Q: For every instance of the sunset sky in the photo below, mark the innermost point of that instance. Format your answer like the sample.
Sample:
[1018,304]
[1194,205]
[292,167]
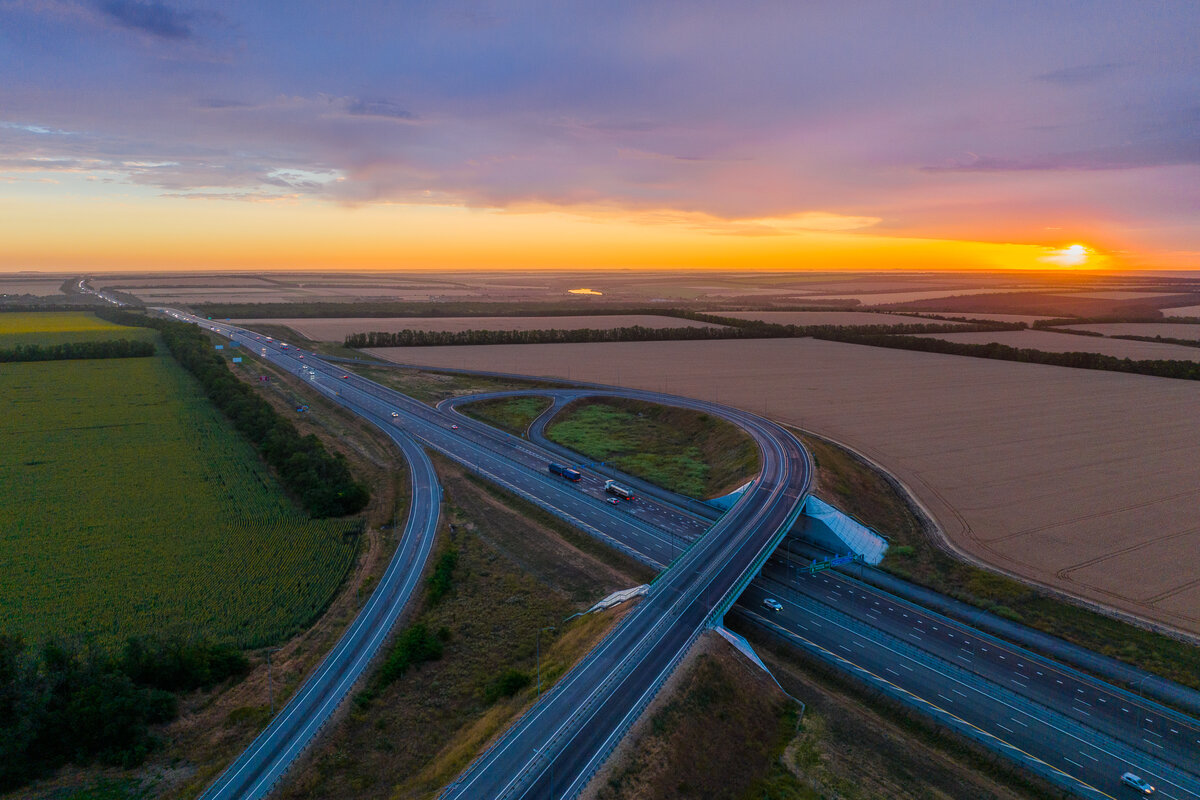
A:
[764,135]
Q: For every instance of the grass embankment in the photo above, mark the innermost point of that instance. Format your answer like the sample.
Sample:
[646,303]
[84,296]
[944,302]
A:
[433,387]
[854,744]
[722,729]
[717,731]
[512,414]
[856,488]
[688,452]
[464,665]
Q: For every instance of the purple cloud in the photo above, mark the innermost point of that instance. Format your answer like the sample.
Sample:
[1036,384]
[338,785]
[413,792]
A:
[154,18]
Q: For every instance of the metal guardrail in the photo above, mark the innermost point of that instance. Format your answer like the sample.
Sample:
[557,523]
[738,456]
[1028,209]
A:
[964,676]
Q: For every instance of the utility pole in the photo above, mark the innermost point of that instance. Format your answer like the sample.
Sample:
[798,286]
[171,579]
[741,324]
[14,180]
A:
[538,640]
[270,689]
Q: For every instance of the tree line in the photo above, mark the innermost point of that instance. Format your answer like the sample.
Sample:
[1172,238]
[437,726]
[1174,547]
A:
[1186,370]
[321,481]
[744,329]
[61,705]
[108,348]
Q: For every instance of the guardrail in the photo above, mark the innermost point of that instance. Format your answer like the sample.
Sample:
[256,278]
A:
[1000,693]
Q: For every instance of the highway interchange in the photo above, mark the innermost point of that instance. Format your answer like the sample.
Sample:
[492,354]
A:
[1075,729]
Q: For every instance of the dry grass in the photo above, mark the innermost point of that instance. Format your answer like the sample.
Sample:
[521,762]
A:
[715,731]
[1082,480]
[1052,342]
[855,745]
[513,576]
[336,329]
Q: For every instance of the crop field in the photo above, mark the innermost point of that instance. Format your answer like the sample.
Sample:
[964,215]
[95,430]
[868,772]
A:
[130,506]
[1083,480]
[54,327]
[1052,342]
[336,329]
[1167,330]
[826,318]
[1185,311]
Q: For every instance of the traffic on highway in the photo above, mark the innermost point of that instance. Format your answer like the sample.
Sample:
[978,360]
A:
[1074,729]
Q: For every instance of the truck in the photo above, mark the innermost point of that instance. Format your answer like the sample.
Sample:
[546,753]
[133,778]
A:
[612,487]
[566,472]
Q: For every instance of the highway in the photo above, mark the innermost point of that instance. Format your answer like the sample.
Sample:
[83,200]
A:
[1074,728]
[259,767]
[568,735]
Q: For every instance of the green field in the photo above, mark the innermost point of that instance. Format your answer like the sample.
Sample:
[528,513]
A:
[57,327]
[512,414]
[130,506]
[695,454]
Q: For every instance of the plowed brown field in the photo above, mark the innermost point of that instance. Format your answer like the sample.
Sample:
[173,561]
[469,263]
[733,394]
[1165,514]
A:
[1082,480]
[336,329]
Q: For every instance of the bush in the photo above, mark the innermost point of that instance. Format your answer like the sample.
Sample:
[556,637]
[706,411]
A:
[441,581]
[506,684]
[413,647]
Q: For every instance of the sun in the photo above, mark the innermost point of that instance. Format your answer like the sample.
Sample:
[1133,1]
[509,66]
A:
[1071,256]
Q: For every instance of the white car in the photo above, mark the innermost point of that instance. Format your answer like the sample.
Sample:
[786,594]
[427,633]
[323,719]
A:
[1136,781]
[772,604]
[395,413]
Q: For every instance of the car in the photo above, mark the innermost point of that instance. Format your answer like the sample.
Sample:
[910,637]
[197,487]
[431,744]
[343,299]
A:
[772,604]
[1137,782]
[613,501]
[395,413]
[344,377]
[300,356]
[453,427]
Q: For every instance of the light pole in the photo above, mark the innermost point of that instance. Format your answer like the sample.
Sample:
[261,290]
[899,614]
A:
[538,640]
[270,690]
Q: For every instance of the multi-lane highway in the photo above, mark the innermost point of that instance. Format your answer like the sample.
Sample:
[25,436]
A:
[568,735]
[1074,728]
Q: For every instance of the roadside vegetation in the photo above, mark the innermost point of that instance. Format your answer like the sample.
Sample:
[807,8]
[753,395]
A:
[718,730]
[688,452]
[432,387]
[321,482]
[855,744]
[723,729]
[859,490]
[512,414]
[464,665]
[61,705]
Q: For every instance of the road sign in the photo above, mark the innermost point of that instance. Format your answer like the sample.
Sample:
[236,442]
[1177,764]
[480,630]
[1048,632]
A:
[220,347]
[237,359]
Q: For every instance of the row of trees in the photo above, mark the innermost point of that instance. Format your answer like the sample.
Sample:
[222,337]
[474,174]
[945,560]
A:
[61,705]
[320,480]
[108,348]
[1186,370]
[732,329]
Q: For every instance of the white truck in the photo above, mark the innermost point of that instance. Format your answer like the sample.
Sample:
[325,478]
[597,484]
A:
[612,487]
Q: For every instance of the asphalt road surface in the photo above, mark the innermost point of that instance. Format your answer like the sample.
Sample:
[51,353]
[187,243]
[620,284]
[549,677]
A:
[1075,728]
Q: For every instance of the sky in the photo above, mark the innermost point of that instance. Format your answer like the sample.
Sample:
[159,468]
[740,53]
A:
[833,134]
